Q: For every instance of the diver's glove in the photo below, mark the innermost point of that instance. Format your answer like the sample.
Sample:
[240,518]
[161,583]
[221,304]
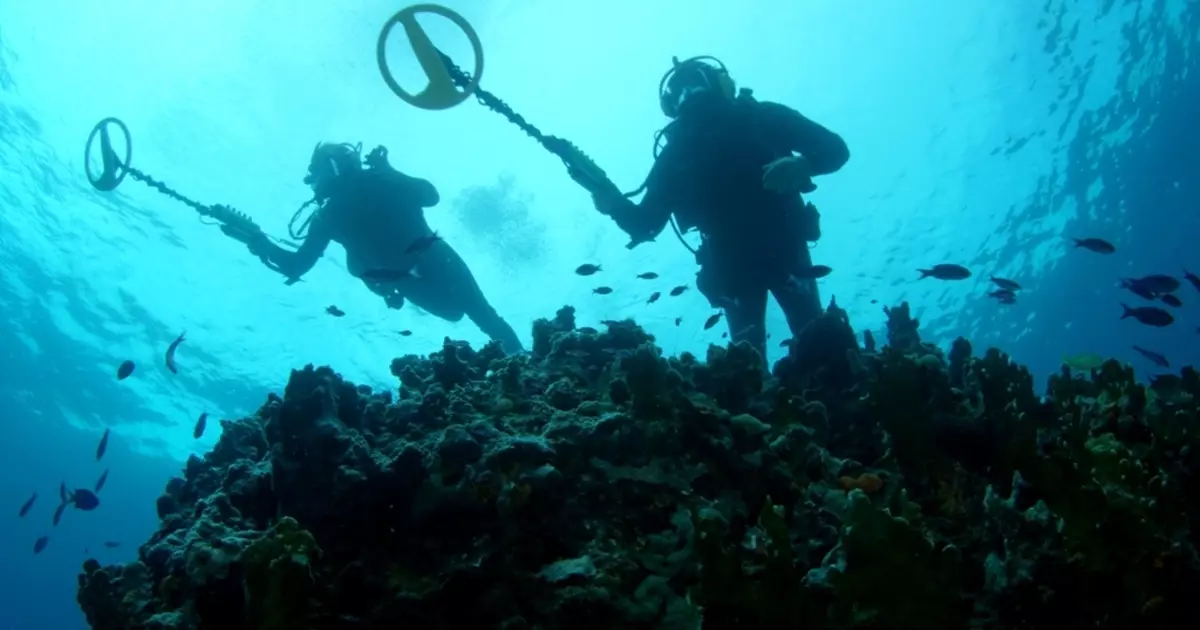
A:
[788,176]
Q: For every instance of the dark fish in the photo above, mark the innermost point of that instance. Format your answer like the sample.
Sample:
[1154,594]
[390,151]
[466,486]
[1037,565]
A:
[654,297]
[124,370]
[171,352]
[59,512]
[100,482]
[587,269]
[102,447]
[602,290]
[405,333]
[946,271]
[335,311]
[725,335]
[610,322]
[785,343]
[1098,245]
[1154,283]
[1170,300]
[678,291]
[422,243]
[85,499]
[680,319]
[712,320]
[649,275]
[1192,278]
[28,506]
[40,544]
[200,424]
[1137,289]
[386,275]
[1007,285]
[1148,315]
[1004,296]
[112,544]
[1155,357]
[813,272]
[290,281]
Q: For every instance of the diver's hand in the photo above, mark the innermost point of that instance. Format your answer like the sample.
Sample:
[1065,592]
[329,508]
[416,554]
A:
[788,176]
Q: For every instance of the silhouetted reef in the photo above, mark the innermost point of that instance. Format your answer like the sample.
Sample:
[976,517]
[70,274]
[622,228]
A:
[598,485]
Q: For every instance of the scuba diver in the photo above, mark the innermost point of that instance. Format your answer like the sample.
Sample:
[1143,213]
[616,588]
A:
[377,214]
[730,169]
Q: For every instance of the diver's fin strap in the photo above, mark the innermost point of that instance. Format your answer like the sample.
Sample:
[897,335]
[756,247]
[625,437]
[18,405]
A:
[582,168]
[240,226]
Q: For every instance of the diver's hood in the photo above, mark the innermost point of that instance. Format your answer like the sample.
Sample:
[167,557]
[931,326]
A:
[690,77]
[330,160]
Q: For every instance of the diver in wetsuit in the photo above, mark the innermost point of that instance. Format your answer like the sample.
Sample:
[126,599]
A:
[730,170]
[377,214]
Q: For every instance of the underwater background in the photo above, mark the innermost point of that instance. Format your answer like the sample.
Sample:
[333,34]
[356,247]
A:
[982,133]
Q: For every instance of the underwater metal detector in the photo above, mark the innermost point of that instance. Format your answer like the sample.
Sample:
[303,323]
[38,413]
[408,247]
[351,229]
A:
[233,223]
[449,86]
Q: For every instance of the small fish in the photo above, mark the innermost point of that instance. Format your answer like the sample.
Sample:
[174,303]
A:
[102,447]
[946,271]
[813,272]
[200,424]
[649,275]
[1083,361]
[170,358]
[100,482]
[335,311]
[124,370]
[725,335]
[1155,357]
[40,544]
[27,506]
[588,269]
[112,544]
[602,290]
[1192,278]
[1170,300]
[290,281]
[1098,245]
[610,322]
[1137,289]
[386,275]
[1006,284]
[1148,315]
[81,498]
[785,343]
[406,333]
[654,297]
[1004,296]
[1156,283]
[678,291]
[680,319]
[712,320]
[422,243]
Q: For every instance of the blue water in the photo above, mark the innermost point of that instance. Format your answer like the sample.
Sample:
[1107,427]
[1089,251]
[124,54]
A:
[982,133]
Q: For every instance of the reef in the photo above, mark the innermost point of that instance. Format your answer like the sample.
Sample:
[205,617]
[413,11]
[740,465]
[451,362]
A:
[597,484]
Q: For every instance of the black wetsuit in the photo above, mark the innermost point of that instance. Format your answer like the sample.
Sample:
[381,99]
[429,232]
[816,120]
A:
[377,214]
[709,175]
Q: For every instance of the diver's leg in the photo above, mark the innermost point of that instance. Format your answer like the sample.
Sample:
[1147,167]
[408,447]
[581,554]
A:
[446,287]
[800,300]
[744,302]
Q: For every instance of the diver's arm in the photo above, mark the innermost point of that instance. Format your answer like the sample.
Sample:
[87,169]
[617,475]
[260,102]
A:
[823,150]
[643,221]
[294,264]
